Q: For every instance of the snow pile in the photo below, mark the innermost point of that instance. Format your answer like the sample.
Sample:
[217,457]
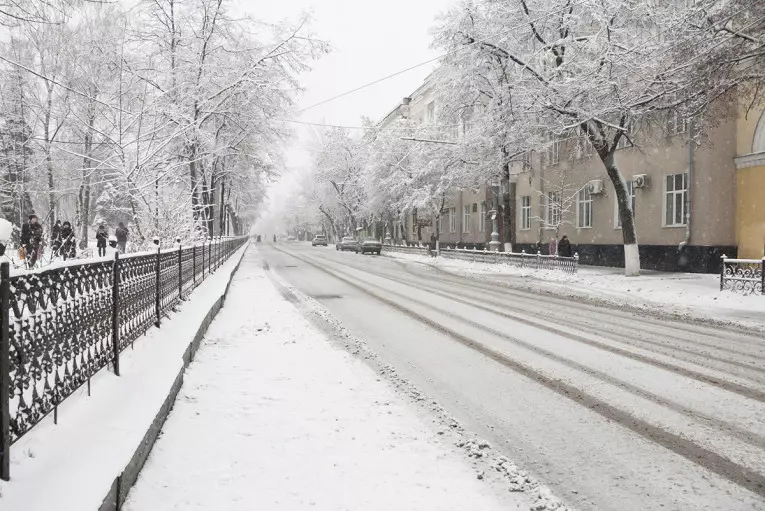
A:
[273,415]
[686,295]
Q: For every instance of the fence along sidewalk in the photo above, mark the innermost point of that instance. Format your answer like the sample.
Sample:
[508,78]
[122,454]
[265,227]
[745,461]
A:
[745,276]
[521,260]
[61,326]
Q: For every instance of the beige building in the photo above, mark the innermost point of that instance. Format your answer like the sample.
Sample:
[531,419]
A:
[684,196]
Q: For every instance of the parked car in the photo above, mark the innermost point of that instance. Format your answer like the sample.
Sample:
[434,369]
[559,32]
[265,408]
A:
[319,240]
[369,245]
[347,243]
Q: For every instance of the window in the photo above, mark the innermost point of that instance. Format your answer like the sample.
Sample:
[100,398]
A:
[584,208]
[629,134]
[584,147]
[675,199]
[430,113]
[482,218]
[552,150]
[526,212]
[452,220]
[553,209]
[631,197]
[466,219]
[414,223]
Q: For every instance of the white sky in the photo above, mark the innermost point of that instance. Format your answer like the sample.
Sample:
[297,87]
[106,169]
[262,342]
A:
[370,40]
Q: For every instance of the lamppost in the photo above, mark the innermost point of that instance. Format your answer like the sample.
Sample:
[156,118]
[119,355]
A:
[494,244]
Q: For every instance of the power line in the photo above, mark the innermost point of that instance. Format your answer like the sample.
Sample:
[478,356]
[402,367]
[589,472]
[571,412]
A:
[429,61]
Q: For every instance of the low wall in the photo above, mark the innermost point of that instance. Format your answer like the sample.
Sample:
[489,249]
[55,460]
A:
[122,484]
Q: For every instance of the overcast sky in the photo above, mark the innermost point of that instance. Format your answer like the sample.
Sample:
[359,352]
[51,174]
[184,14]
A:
[370,40]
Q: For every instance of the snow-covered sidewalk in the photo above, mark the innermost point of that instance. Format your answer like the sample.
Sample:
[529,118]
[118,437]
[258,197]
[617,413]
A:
[690,295]
[272,415]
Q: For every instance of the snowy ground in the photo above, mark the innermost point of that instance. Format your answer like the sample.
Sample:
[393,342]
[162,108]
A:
[272,415]
[692,295]
[71,466]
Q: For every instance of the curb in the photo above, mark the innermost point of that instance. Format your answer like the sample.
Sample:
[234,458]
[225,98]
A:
[118,492]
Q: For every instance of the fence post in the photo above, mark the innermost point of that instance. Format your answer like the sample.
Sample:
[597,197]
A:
[5,372]
[116,313]
[722,272]
[157,297]
[539,259]
[203,260]
[194,264]
[762,276]
[576,262]
[180,272]
[209,258]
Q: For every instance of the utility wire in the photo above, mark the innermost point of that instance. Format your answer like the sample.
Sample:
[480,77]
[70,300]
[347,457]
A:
[434,59]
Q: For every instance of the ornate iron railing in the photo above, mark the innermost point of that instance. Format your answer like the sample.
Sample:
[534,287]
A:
[746,276]
[521,260]
[405,249]
[61,326]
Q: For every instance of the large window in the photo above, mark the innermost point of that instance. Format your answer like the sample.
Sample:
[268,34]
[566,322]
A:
[631,198]
[552,150]
[584,208]
[675,198]
[482,218]
[452,220]
[584,147]
[526,212]
[466,219]
[553,209]
[430,113]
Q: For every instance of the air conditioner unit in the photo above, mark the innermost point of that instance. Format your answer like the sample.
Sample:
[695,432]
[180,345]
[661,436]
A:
[595,186]
[640,181]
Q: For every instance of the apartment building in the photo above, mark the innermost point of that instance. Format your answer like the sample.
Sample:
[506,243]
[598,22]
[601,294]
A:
[693,201]
[464,220]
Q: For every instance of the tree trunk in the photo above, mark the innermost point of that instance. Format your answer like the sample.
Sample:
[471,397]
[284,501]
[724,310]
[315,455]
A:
[631,252]
[87,169]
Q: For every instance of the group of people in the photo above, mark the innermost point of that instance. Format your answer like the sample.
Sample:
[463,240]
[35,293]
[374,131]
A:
[63,241]
[117,241]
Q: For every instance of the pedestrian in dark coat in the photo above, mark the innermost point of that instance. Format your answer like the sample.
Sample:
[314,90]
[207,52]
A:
[55,231]
[68,250]
[122,237]
[31,239]
[102,235]
[564,247]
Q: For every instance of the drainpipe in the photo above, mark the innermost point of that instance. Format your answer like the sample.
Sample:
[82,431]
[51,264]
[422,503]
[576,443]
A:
[687,239]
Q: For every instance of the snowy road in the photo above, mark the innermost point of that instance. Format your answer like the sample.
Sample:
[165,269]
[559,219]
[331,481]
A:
[609,409]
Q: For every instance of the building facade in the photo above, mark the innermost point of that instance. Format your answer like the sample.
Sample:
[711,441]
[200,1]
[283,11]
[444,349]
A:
[694,199]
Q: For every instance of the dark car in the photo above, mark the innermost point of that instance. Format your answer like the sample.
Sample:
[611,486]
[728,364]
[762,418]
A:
[369,245]
[319,239]
[347,243]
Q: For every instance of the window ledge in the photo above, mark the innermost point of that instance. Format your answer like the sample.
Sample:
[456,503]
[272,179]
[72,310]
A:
[678,226]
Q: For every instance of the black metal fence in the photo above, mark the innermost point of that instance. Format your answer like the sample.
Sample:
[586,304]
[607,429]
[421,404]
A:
[537,261]
[745,276]
[61,326]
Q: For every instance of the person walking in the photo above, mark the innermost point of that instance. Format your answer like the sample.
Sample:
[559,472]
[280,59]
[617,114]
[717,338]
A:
[564,247]
[122,237]
[31,240]
[102,235]
[55,238]
[552,248]
[68,250]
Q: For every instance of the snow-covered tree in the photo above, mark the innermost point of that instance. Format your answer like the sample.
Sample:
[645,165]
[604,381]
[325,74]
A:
[593,66]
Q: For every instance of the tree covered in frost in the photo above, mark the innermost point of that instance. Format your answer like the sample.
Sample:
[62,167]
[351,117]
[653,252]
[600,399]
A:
[173,106]
[555,68]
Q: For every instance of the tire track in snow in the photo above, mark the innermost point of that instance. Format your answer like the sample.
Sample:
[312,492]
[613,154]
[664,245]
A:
[710,460]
